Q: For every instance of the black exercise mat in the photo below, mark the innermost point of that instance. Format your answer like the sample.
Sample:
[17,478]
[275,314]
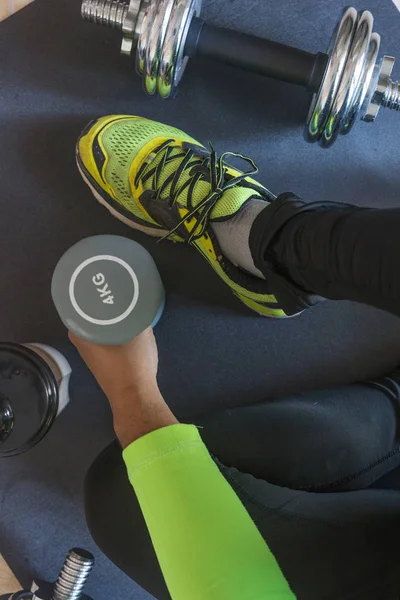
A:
[57,73]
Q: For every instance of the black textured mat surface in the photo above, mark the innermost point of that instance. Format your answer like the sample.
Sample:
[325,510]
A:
[56,74]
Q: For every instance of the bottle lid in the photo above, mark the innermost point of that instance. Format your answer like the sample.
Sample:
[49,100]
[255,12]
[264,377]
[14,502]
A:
[28,399]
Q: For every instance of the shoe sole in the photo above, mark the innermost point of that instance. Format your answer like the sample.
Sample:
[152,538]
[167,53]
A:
[149,230]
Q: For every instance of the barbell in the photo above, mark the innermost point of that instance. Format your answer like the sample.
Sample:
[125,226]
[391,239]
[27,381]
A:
[347,82]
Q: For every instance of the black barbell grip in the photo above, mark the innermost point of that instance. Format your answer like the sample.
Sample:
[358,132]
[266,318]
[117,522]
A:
[255,54]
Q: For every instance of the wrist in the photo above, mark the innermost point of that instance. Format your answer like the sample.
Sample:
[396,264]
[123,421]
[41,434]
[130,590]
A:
[127,434]
[138,409]
[132,390]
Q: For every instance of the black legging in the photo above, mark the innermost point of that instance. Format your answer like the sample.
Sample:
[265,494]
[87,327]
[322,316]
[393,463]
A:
[332,250]
[313,470]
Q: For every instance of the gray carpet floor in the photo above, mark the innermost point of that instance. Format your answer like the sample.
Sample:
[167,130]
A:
[56,74]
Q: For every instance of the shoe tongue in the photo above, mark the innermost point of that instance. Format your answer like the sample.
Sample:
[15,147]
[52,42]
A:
[228,205]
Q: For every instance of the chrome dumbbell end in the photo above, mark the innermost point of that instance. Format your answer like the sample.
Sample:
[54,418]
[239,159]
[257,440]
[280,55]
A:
[356,83]
[157,30]
[353,54]
[384,92]
[71,580]
[69,584]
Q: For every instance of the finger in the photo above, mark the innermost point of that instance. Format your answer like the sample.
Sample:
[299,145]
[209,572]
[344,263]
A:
[72,338]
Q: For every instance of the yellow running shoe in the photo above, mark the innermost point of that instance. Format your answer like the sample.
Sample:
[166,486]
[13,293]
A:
[159,180]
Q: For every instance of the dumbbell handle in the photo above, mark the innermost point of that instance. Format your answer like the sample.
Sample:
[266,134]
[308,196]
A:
[255,54]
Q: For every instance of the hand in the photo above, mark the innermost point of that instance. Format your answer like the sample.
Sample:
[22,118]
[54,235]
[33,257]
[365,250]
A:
[128,376]
[121,368]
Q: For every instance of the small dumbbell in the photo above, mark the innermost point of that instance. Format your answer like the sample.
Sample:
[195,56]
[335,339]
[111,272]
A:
[348,81]
[107,290]
[70,583]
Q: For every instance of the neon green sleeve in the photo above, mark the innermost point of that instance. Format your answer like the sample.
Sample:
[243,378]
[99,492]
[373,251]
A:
[206,543]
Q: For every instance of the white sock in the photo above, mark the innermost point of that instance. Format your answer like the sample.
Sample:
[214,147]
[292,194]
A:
[233,236]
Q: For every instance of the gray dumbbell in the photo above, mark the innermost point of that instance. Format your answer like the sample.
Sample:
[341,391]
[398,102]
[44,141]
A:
[107,290]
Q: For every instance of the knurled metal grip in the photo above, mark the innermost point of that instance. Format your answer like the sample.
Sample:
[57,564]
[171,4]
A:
[70,583]
[348,82]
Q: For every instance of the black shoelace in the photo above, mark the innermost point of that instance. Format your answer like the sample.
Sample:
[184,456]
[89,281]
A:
[210,168]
